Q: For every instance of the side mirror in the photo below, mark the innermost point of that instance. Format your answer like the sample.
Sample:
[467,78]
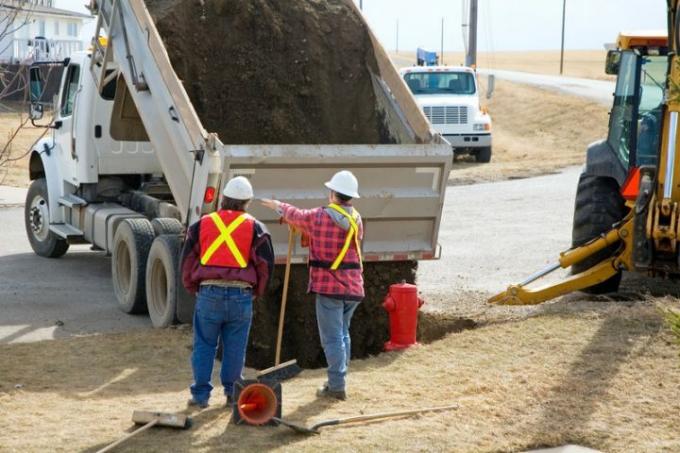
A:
[490,86]
[36,111]
[613,62]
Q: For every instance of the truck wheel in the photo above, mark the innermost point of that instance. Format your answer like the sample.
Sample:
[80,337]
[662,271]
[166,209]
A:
[483,155]
[163,281]
[166,225]
[131,245]
[37,220]
[598,206]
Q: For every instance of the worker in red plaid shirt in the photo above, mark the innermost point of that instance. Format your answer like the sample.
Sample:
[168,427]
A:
[335,270]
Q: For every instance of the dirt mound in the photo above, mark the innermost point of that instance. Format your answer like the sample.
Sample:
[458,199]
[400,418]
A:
[369,329]
[285,72]
[275,71]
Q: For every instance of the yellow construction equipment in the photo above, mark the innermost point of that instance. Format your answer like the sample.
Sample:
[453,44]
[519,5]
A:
[627,203]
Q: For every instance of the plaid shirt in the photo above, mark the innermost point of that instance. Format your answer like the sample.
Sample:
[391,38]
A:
[326,241]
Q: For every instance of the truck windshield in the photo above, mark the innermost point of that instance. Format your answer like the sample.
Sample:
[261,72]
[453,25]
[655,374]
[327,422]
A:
[441,83]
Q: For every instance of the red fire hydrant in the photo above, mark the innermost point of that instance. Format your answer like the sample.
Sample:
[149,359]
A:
[402,304]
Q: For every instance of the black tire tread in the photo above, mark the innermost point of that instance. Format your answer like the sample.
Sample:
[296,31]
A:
[53,246]
[598,206]
[143,236]
[483,156]
[166,225]
[169,244]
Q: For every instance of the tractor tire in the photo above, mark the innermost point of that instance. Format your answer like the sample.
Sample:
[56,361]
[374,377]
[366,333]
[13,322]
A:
[166,225]
[131,244]
[483,156]
[164,291]
[37,221]
[599,205]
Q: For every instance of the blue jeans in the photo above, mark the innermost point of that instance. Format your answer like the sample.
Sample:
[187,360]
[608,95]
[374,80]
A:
[225,312]
[333,317]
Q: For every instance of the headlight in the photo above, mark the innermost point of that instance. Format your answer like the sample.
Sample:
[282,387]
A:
[481,127]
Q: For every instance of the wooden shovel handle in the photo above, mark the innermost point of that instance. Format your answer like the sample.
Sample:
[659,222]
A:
[365,418]
[151,424]
[284,296]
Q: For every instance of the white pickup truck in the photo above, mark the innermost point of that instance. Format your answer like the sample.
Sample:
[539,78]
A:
[449,97]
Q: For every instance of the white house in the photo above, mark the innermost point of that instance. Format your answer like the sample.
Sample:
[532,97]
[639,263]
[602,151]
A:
[34,30]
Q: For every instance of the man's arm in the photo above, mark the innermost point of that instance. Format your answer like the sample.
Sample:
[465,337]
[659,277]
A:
[263,257]
[302,219]
[191,259]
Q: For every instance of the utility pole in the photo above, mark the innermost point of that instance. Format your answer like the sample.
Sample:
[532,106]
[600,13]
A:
[471,56]
[564,16]
[397,36]
[441,60]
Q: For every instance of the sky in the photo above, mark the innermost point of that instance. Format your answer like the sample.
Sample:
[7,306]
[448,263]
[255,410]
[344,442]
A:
[503,24]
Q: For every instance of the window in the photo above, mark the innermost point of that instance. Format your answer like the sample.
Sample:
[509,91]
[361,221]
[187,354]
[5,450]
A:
[441,83]
[652,80]
[70,89]
[41,28]
[56,27]
[72,29]
[621,121]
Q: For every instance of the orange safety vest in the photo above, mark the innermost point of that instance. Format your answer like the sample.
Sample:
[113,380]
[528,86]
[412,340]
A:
[226,238]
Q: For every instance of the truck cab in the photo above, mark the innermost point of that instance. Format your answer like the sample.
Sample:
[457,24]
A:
[449,97]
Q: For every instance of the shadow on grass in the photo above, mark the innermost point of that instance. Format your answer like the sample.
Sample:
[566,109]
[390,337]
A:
[586,385]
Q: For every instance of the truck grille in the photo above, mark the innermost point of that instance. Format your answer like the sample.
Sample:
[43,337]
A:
[452,114]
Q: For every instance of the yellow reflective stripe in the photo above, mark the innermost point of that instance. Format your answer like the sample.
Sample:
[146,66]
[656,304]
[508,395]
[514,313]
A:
[353,231]
[225,237]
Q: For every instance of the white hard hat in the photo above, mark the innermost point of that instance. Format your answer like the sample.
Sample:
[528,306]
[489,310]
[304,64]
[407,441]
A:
[238,188]
[345,183]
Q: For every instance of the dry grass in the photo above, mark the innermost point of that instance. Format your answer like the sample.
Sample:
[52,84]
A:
[14,163]
[535,132]
[588,64]
[605,378]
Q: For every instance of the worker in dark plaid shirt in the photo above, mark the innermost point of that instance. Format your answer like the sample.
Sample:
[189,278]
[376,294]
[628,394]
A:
[335,270]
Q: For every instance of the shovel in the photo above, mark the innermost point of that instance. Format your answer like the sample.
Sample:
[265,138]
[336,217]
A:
[149,420]
[282,371]
[314,429]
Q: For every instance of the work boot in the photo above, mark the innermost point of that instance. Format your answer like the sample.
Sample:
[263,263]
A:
[200,404]
[325,392]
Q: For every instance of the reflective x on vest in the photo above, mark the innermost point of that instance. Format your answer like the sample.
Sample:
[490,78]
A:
[226,245]
[353,232]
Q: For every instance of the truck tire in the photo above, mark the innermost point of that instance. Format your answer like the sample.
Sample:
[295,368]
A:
[37,221]
[483,155]
[166,225]
[131,245]
[164,290]
[598,206]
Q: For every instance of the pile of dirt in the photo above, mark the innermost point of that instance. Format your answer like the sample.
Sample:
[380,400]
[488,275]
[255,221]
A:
[285,72]
[275,72]
[369,328]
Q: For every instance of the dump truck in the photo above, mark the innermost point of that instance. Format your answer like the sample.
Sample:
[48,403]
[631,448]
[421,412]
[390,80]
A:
[129,165]
[626,215]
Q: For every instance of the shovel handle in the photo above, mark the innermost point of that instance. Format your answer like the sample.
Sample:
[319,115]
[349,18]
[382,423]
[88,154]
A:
[284,296]
[365,418]
[151,424]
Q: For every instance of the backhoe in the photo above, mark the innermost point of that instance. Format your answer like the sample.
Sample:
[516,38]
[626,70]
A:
[627,213]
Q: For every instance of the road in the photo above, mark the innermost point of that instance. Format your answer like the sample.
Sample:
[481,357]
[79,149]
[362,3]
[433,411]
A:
[599,91]
[491,234]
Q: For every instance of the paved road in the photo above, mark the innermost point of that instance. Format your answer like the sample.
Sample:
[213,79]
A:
[492,235]
[597,90]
